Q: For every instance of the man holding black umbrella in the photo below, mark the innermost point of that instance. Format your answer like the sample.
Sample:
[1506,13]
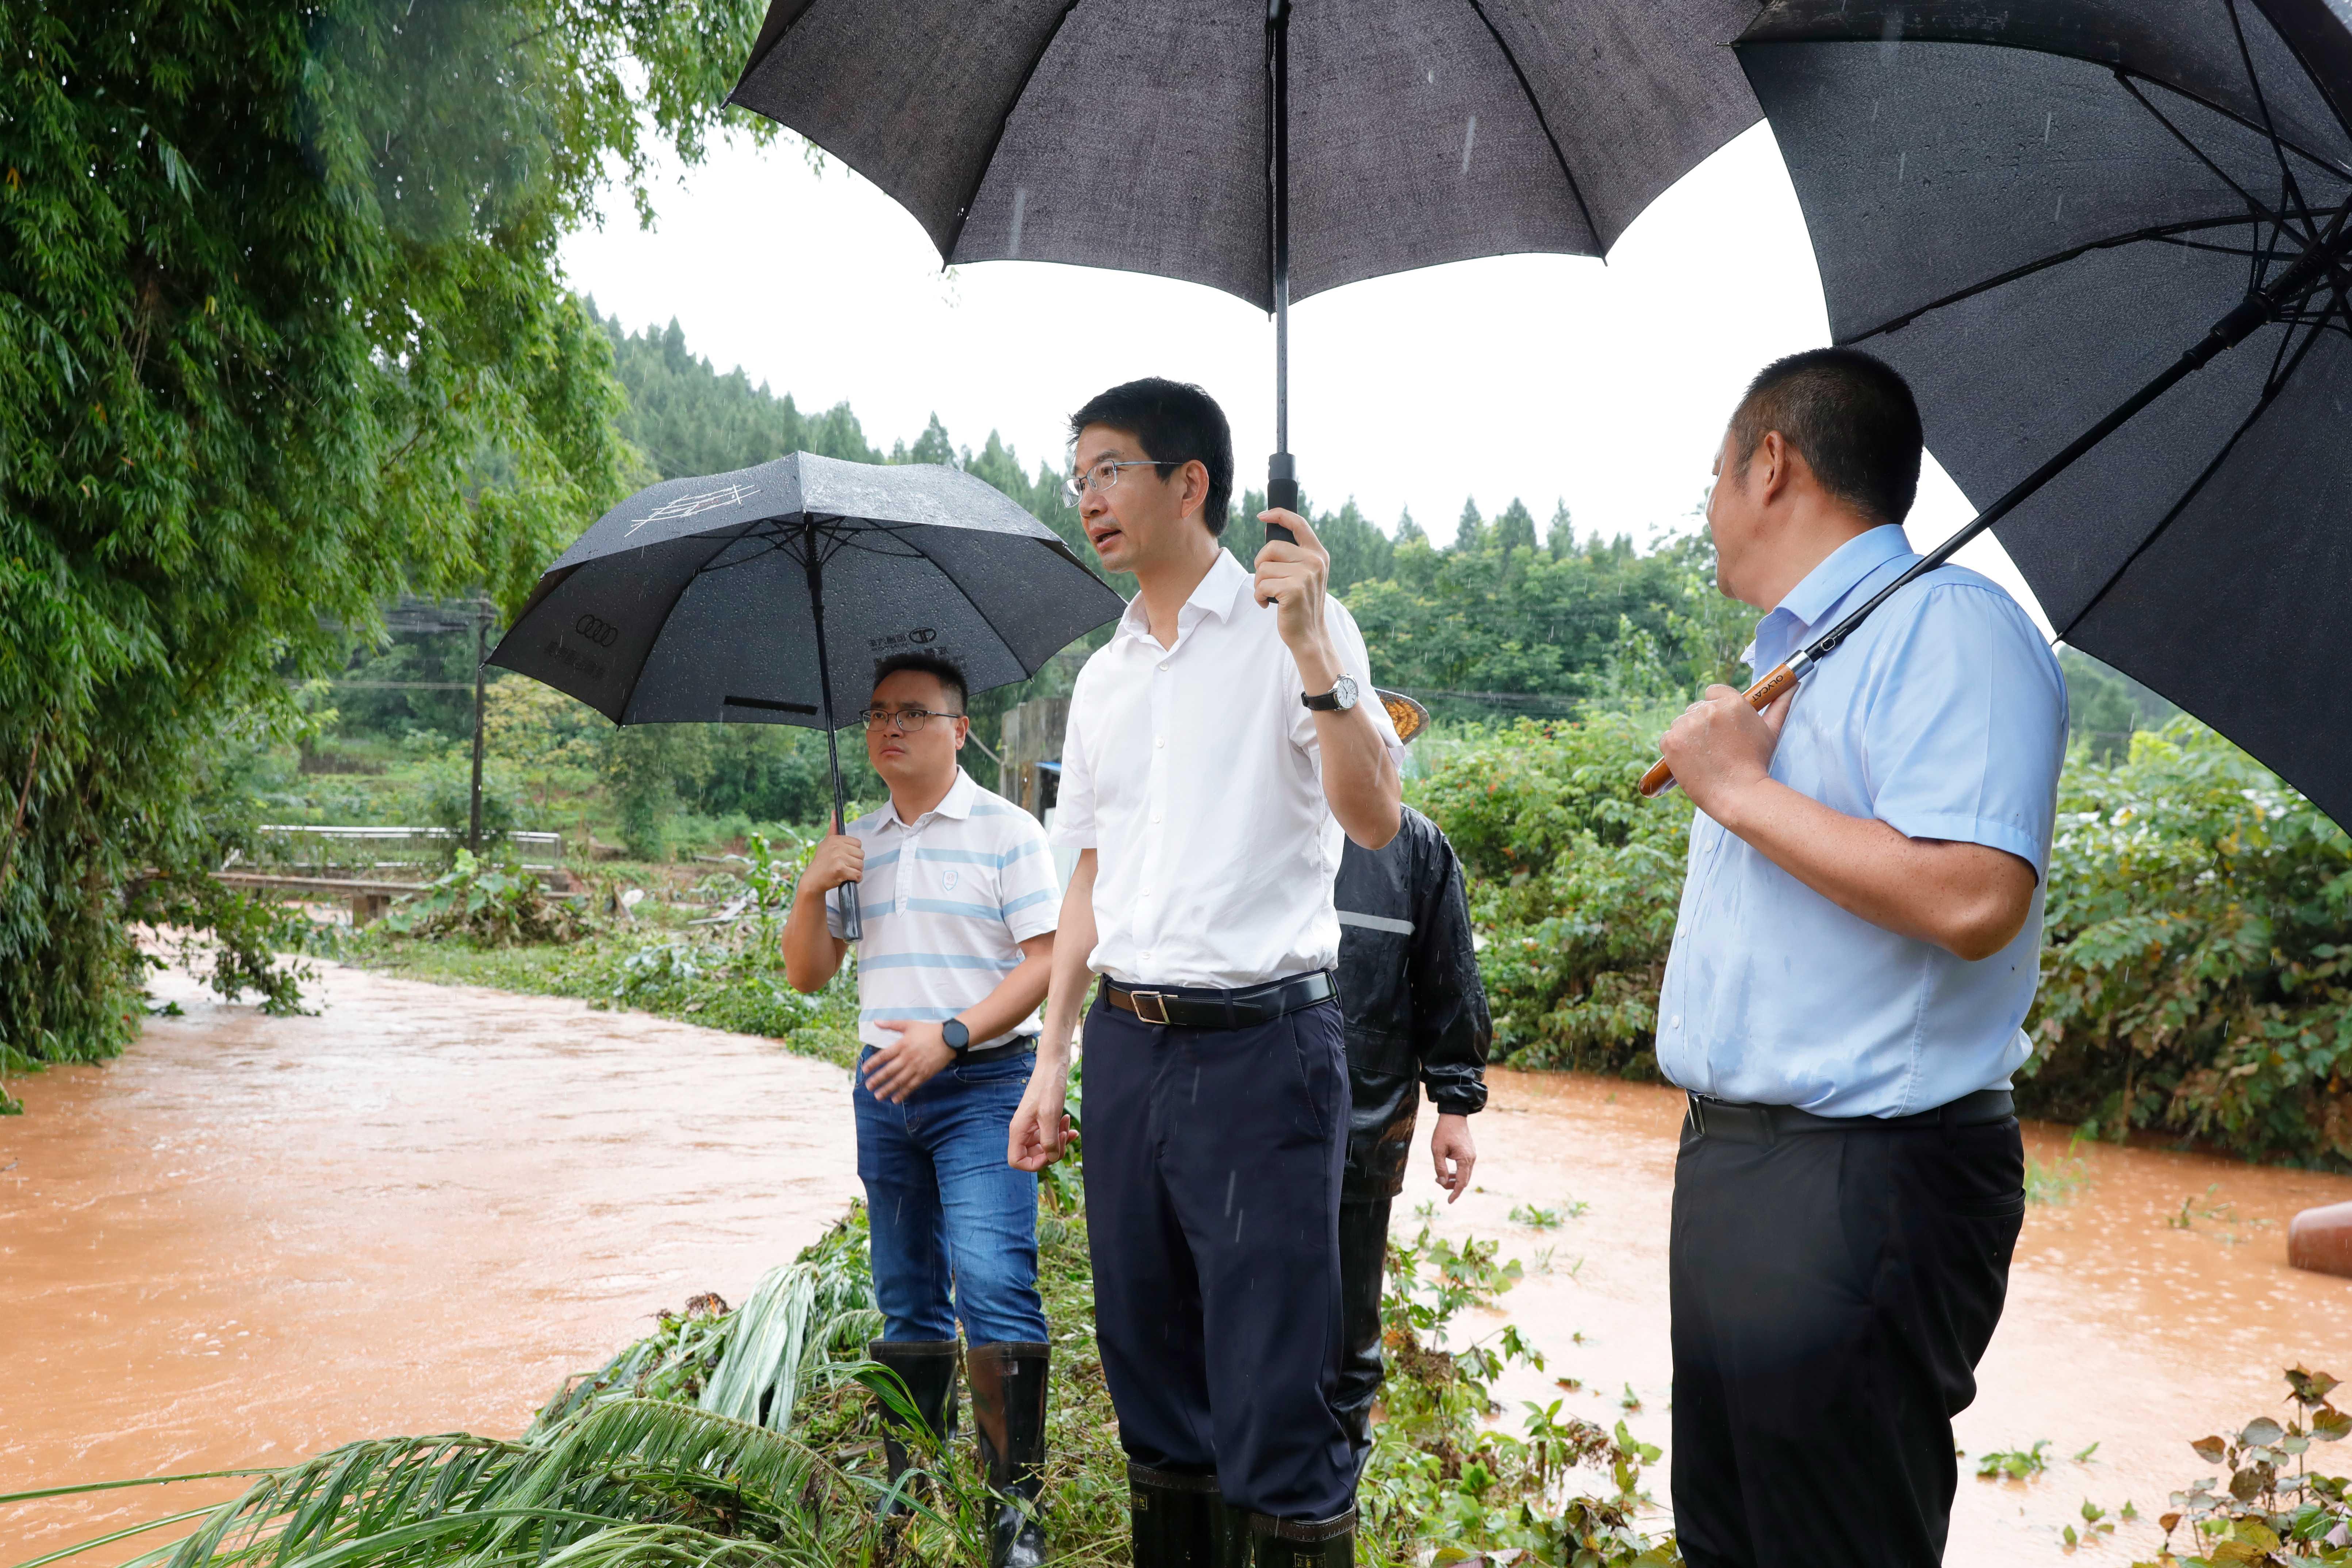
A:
[1217,753]
[1858,943]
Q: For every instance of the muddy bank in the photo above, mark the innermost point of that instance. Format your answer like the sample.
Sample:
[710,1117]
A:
[2133,1322]
[252,1239]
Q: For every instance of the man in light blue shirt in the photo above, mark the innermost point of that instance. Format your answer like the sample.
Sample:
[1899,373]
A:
[1858,945]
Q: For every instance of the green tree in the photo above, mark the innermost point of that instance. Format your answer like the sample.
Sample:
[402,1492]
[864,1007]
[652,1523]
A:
[688,419]
[1516,528]
[282,332]
[1470,530]
[1559,537]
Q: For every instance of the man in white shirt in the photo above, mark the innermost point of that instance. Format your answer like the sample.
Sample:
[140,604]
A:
[1217,751]
[956,894]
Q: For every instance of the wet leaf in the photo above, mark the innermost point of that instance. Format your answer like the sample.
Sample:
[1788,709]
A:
[2246,1485]
[2262,1432]
[2310,1387]
[2211,1450]
[2328,1423]
[2168,1522]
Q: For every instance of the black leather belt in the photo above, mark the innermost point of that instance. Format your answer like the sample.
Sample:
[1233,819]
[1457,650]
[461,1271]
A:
[1206,1007]
[1711,1118]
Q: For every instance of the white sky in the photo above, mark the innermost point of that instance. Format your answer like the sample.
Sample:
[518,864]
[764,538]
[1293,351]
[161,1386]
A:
[1543,377]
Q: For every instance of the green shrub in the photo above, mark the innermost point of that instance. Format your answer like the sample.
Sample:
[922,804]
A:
[2197,974]
[2199,935]
[1574,881]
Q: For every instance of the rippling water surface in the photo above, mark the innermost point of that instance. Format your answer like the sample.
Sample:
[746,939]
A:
[252,1239]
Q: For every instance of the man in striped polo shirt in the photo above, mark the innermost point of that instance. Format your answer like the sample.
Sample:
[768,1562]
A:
[958,896]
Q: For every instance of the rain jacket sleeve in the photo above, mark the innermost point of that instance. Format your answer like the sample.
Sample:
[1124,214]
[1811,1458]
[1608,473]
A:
[1409,986]
[1451,1028]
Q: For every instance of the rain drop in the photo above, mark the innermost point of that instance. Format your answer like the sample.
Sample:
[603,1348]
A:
[2062,207]
[1890,33]
[1020,207]
[2047,121]
[1902,161]
[1469,140]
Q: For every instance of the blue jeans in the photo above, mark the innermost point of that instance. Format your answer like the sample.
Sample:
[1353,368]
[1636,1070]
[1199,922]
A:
[945,1207]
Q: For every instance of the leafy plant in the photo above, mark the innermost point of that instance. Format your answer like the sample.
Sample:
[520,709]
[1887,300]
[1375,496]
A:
[2016,1464]
[2267,1516]
[492,904]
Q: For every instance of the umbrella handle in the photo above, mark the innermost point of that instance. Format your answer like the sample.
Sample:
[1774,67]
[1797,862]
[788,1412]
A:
[1761,696]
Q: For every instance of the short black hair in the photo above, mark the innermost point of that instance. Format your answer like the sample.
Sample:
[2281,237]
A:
[938,664]
[1175,423]
[1853,416]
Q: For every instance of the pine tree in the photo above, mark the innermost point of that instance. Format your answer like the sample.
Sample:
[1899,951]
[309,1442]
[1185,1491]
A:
[1409,531]
[1560,538]
[1516,528]
[1470,533]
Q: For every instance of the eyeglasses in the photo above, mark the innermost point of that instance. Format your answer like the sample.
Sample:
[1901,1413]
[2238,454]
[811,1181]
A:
[1102,476]
[906,721]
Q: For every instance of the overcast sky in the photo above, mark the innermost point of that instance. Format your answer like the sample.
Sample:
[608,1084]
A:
[1544,377]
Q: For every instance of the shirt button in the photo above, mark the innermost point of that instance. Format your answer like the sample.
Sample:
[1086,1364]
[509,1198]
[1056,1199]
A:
[1155,819]
[1163,668]
[1675,1023]
[1159,741]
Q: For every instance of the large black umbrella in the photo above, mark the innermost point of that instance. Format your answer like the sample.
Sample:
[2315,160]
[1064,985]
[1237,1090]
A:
[2125,224]
[1269,149]
[767,595]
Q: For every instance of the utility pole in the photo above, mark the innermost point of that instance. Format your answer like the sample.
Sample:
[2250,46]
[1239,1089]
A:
[481,658]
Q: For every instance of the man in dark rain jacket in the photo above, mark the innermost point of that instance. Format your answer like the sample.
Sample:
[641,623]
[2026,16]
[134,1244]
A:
[1415,1014]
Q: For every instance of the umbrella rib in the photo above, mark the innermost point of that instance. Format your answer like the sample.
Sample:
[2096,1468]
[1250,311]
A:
[1543,121]
[2270,391]
[1012,107]
[2254,203]
[2161,232]
[2293,191]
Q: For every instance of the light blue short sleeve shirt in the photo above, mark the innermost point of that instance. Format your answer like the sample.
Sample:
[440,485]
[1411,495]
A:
[1944,716]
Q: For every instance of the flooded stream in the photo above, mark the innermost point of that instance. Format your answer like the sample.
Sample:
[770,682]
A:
[253,1239]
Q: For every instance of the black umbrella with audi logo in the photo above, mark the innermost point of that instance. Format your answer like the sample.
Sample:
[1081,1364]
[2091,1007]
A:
[767,595]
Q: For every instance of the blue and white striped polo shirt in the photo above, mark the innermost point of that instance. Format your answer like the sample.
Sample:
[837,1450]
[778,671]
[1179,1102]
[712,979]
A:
[947,902]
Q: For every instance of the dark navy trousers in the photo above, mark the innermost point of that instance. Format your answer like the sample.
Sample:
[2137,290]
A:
[1212,1164]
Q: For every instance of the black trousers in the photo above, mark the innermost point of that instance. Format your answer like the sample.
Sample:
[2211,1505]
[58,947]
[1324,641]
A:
[1212,1161]
[1363,1255]
[1832,1295]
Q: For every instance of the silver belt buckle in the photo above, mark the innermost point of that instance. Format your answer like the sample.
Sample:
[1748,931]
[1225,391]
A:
[1158,1004]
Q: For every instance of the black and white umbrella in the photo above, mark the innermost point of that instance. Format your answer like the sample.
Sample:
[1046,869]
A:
[768,596]
[2109,243]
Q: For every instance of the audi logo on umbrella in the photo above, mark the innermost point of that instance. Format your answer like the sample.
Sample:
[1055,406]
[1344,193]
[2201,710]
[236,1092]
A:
[596,631]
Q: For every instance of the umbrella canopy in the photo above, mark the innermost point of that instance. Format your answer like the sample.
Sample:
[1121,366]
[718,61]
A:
[1141,136]
[722,599]
[2031,212]
[1269,149]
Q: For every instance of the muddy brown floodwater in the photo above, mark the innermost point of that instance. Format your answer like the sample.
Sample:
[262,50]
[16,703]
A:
[2133,1322]
[252,1239]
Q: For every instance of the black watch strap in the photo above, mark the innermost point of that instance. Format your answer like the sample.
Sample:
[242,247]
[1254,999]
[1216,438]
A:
[957,1034]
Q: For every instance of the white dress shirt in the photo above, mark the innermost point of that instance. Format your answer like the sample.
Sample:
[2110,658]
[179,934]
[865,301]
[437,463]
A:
[1195,774]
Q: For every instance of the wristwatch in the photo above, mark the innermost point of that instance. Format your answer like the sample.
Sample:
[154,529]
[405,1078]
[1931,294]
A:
[1339,699]
[957,1036]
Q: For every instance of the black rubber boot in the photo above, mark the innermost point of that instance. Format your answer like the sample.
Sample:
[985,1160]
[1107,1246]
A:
[928,1368]
[1304,1542]
[1008,1411]
[1177,1521]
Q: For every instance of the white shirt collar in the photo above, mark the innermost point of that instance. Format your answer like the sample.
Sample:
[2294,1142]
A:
[1216,594]
[956,802]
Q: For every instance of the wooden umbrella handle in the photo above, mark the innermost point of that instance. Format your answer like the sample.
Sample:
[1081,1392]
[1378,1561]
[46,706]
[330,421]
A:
[1761,696]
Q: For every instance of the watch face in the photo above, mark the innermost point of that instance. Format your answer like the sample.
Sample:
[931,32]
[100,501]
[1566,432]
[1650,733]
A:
[1344,692]
[956,1032]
